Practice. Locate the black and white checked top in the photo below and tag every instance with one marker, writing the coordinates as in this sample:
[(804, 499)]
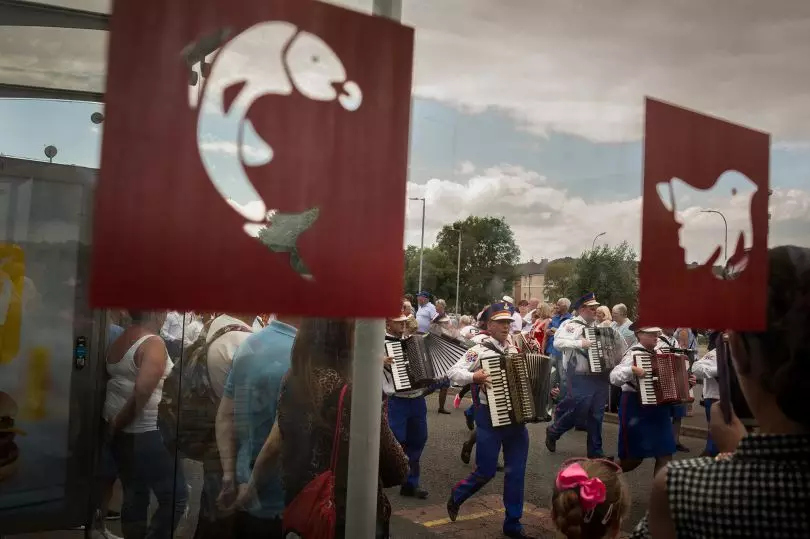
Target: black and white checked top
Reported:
[(762, 492)]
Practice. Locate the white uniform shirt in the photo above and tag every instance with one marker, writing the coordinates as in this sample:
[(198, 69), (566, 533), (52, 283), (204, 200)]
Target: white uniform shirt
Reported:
[(479, 338), (665, 341), (468, 332), (705, 368), (517, 323), (622, 375), (568, 339), (388, 384), (461, 373)]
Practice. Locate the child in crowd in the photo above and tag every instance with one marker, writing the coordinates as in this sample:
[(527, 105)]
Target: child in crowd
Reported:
[(590, 499)]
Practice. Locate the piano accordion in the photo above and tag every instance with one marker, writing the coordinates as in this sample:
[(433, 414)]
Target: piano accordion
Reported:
[(421, 359), (519, 388), (606, 351), (666, 378), (525, 344)]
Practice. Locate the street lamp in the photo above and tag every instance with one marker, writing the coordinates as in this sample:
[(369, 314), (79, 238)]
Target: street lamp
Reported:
[(593, 245), (725, 223), (458, 271), (422, 247)]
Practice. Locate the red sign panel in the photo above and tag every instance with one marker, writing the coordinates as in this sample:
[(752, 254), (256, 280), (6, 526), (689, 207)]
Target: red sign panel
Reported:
[(254, 159), (698, 168)]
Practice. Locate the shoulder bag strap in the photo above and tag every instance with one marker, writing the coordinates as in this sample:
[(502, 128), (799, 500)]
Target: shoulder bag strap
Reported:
[(336, 438)]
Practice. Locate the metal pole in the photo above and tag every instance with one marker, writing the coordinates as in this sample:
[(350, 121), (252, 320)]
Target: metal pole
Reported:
[(725, 238), (364, 434), (458, 272), (593, 245), (422, 246)]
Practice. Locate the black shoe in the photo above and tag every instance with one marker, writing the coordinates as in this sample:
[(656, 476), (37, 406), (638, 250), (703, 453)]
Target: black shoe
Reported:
[(466, 450), (443, 411), (452, 508), (470, 420), (682, 448), (551, 443), (517, 535), (409, 491)]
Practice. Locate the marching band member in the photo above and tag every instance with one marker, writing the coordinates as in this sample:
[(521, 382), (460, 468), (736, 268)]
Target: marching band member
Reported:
[(706, 369), (443, 323), (586, 394), (513, 438), (644, 431), (407, 417)]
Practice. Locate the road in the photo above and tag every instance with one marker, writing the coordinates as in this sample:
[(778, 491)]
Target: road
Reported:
[(442, 468)]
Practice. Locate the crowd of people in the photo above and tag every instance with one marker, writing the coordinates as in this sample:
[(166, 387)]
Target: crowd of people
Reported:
[(280, 390)]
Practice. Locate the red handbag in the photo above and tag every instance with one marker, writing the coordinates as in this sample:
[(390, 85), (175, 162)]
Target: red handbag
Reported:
[(312, 514)]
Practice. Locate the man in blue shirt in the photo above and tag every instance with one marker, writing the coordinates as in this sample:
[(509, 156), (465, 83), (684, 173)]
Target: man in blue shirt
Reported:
[(426, 312), (244, 421)]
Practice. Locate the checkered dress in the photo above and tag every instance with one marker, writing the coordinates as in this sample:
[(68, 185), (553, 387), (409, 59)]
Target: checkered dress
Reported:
[(762, 492)]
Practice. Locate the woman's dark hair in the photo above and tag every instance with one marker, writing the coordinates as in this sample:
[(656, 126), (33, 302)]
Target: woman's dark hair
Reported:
[(139, 317), (784, 347), (320, 343)]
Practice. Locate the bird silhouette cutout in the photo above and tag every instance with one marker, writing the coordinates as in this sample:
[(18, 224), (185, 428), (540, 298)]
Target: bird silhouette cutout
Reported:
[(733, 187), (282, 60)]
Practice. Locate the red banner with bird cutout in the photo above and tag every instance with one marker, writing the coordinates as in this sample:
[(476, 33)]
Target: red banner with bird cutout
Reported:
[(705, 222), (254, 159)]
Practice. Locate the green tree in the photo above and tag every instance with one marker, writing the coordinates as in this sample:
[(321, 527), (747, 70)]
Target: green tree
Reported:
[(611, 272), (438, 272), (488, 257), (558, 278)]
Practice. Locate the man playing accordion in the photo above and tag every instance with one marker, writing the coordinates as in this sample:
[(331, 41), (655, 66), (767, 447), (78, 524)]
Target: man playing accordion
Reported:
[(514, 438)]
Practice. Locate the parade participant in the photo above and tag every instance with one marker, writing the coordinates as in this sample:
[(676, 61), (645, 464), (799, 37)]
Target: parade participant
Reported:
[(513, 438), (683, 338), (407, 417), (469, 413), (706, 369), (644, 431), (442, 322), (590, 499), (586, 394), (426, 312)]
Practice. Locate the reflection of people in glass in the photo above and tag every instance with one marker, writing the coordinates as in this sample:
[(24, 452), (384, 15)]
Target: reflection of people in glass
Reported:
[(137, 363)]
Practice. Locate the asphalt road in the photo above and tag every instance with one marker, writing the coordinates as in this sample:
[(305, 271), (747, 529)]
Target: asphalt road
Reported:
[(442, 468)]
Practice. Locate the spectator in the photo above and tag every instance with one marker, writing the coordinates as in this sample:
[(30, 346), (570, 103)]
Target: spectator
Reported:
[(603, 318), (426, 312), (468, 328), (622, 324), (411, 325), (529, 316), (138, 363), (523, 310), (441, 307), (307, 409), (759, 484), (247, 414), (542, 319)]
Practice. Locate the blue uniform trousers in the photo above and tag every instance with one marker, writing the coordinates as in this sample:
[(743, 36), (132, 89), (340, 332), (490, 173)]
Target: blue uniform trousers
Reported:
[(711, 448), (408, 421), (515, 442), (563, 404), (470, 411), (586, 396)]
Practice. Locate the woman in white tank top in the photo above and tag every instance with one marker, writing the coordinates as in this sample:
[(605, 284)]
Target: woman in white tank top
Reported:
[(137, 365)]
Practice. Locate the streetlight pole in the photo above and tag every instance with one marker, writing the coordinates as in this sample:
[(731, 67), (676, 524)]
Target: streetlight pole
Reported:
[(593, 245), (422, 246), (725, 240), (458, 271)]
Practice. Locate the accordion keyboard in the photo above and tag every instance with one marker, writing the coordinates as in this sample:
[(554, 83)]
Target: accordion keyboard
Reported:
[(595, 352), (498, 397), (399, 368), (646, 385)]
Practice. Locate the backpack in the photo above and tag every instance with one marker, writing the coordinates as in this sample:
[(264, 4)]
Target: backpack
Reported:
[(188, 409), (312, 513)]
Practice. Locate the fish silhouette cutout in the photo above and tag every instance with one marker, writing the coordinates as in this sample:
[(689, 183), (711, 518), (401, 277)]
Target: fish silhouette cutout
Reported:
[(289, 60), (677, 196)]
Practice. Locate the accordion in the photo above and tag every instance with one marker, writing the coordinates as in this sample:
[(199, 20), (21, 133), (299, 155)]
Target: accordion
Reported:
[(519, 388), (525, 344), (422, 359), (666, 378), (606, 351)]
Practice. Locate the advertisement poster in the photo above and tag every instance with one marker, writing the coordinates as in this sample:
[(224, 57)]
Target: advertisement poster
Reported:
[(271, 142), (38, 278), (705, 183)]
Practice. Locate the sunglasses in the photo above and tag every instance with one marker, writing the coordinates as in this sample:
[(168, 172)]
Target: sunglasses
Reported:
[(609, 463)]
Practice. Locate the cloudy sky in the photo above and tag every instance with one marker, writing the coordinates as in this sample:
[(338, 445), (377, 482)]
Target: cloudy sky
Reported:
[(533, 109)]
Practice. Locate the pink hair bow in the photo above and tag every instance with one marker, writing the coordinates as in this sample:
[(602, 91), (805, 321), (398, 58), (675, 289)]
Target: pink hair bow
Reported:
[(592, 491)]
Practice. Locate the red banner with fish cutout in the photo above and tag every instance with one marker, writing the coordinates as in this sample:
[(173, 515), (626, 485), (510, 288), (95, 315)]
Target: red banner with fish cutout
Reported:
[(254, 159), (705, 222)]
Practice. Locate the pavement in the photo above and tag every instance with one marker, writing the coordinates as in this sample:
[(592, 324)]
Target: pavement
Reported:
[(482, 515)]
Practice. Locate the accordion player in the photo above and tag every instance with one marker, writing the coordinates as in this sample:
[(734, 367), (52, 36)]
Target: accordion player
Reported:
[(606, 349), (519, 387), (422, 359)]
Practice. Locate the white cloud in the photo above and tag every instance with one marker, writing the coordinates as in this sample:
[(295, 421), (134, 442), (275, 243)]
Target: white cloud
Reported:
[(213, 144), (585, 67), (551, 223), (465, 167)]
